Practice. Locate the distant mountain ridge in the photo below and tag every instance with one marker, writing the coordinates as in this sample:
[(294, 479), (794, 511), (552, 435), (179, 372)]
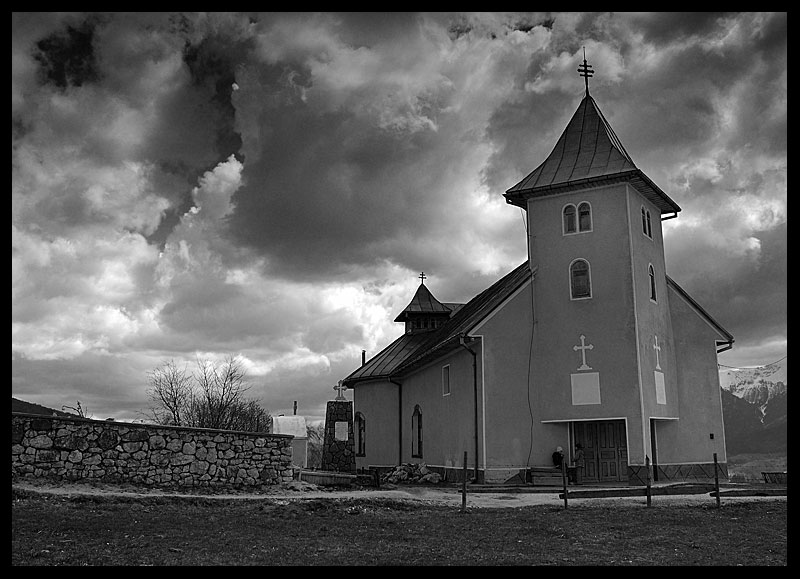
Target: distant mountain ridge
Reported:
[(754, 404)]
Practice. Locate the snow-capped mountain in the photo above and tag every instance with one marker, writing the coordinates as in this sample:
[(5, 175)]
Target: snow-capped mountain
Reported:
[(757, 385), (754, 407)]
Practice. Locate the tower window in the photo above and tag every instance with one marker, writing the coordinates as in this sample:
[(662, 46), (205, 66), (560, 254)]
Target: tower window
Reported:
[(446, 380), (584, 217), (646, 228), (652, 273), (569, 219), (580, 279), (416, 433), (360, 432)]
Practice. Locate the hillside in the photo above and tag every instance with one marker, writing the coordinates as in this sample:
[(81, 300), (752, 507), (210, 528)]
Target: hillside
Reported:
[(18, 405)]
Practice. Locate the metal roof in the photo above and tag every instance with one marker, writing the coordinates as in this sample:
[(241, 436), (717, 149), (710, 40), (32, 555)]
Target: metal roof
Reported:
[(412, 349), (587, 154), (423, 302)]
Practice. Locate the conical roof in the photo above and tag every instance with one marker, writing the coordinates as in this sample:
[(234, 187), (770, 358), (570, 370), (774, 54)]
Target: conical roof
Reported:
[(588, 153), (423, 302)]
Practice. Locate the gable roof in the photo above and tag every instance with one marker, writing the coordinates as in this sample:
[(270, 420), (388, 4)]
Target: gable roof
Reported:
[(587, 154), (413, 349)]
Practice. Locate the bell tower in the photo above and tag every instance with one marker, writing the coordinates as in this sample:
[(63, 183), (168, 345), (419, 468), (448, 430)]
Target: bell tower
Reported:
[(602, 327)]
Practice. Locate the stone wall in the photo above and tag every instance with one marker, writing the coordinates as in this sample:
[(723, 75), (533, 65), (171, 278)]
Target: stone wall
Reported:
[(79, 449)]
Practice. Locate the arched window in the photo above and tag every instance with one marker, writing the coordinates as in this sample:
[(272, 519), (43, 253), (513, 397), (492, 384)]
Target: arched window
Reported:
[(649, 231), (360, 432), (584, 217), (652, 273), (644, 221), (416, 433), (569, 219), (580, 279)]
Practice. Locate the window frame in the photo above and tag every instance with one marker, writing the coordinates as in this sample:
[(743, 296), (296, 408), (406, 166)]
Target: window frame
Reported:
[(360, 428), (589, 275), (416, 432), (564, 219), (651, 274), (591, 220), (647, 229), (446, 383), (577, 218)]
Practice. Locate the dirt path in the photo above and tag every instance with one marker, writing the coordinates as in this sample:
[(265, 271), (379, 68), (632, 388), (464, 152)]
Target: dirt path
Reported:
[(430, 495)]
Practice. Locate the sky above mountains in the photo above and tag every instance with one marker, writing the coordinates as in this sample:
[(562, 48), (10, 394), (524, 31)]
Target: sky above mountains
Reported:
[(270, 186)]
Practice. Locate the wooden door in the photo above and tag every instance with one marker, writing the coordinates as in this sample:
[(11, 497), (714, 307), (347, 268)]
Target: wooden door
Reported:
[(605, 450), (586, 434)]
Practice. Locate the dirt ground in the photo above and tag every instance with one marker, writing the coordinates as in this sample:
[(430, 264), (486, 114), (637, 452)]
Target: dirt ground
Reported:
[(447, 496)]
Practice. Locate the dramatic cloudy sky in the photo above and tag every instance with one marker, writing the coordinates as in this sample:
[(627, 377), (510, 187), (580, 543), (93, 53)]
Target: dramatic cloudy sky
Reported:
[(269, 186)]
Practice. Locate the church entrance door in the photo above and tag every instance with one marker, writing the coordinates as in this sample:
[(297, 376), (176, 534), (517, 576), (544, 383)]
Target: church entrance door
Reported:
[(605, 450)]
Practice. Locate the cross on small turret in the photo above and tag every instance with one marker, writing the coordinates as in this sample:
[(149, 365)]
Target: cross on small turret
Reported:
[(422, 277), (340, 388)]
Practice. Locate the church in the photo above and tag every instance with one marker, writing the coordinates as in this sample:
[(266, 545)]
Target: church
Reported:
[(587, 342)]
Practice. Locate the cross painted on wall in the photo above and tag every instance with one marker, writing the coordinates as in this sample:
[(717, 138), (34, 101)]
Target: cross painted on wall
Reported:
[(657, 348), (340, 388), (583, 347)]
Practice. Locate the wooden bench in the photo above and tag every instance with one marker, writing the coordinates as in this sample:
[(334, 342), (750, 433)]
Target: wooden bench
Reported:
[(774, 477)]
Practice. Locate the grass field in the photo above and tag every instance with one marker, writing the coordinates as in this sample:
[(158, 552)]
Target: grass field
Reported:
[(748, 467), (158, 530)]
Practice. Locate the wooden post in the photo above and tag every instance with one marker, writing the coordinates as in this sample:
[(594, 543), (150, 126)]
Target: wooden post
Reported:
[(716, 478), (647, 490), (464, 484), (377, 478), (564, 479)]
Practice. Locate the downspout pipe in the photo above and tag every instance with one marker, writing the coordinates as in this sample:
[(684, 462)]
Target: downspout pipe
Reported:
[(399, 420), (463, 344)]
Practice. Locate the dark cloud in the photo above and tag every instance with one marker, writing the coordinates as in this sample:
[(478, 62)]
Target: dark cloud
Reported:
[(668, 27), (67, 57)]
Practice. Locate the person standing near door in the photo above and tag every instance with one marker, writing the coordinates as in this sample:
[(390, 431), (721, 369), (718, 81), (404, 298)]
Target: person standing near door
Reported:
[(579, 462)]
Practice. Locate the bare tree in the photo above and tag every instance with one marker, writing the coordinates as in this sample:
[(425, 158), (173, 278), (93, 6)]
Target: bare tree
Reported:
[(171, 391), (79, 410), (211, 397)]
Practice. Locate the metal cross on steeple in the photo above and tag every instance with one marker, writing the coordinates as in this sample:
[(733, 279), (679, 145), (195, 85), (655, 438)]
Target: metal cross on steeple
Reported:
[(585, 70), (422, 277)]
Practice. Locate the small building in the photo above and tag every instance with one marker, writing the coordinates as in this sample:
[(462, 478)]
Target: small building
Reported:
[(296, 426), (588, 341)]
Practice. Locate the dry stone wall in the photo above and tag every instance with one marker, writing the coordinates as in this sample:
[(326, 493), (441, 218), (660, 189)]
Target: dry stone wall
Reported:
[(78, 449)]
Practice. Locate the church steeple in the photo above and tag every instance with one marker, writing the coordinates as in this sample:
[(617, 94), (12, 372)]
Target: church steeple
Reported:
[(424, 311), (587, 154)]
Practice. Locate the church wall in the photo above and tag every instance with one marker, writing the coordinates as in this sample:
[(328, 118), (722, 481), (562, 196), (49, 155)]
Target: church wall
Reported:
[(378, 402), (514, 436), (688, 440), (606, 320), (658, 370), (448, 421)]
